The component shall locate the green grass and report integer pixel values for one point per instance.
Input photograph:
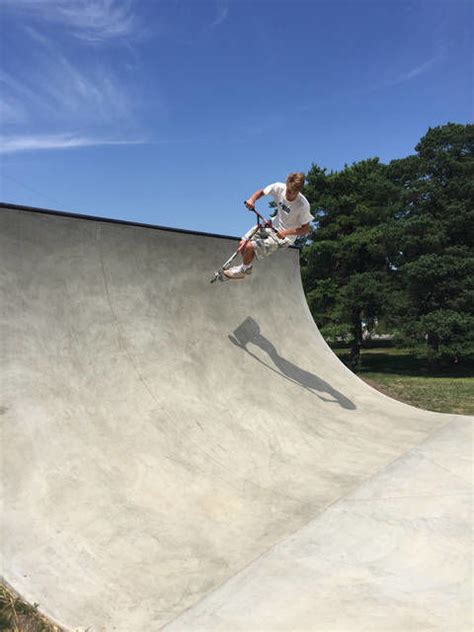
(402, 375)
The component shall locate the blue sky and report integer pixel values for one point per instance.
(172, 112)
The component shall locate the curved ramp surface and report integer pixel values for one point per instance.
(185, 455)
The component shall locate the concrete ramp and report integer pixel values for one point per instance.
(189, 456)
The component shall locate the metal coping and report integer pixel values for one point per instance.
(45, 211)
(109, 220)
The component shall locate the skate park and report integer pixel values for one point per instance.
(185, 456)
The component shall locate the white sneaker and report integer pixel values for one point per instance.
(237, 273)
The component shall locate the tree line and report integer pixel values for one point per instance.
(391, 247)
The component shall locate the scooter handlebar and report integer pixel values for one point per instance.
(260, 218)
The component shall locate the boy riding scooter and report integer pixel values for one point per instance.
(291, 221)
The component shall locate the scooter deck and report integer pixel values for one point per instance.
(219, 276)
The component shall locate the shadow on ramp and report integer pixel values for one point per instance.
(248, 332)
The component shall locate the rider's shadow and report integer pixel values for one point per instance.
(248, 332)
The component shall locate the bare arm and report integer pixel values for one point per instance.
(254, 197)
(302, 230)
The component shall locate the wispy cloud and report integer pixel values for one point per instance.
(96, 94)
(12, 112)
(222, 9)
(30, 142)
(378, 85)
(398, 79)
(57, 92)
(86, 95)
(416, 71)
(13, 144)
(93, 20)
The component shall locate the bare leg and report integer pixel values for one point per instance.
(241, 271)
(248, 254)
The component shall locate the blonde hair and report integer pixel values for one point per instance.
(295, 180)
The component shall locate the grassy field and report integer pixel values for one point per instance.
(401, 375)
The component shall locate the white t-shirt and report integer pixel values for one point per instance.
(289, 214)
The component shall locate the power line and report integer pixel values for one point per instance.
(25, 186)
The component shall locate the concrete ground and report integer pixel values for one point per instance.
(185, 456)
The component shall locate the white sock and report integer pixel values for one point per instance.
(245, 266)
